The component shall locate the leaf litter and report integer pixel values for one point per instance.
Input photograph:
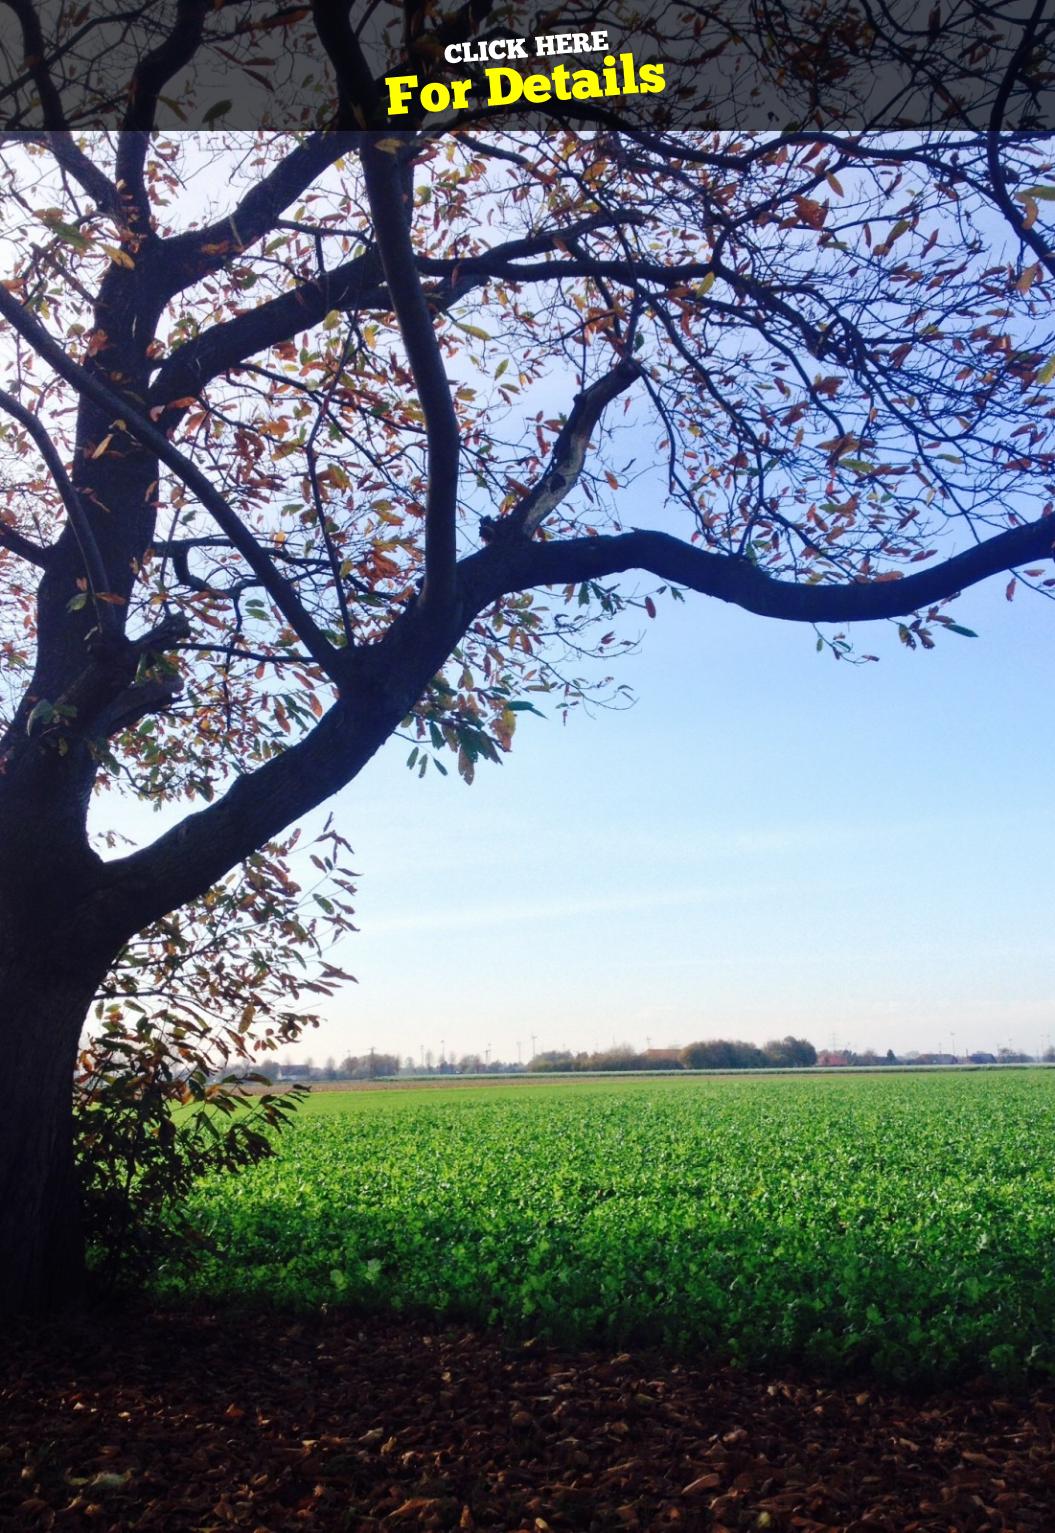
(190, 1420)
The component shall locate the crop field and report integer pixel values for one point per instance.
(899, 1225)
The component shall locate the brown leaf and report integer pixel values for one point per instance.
(705, 1482)
(810, 212)
(412, 1508)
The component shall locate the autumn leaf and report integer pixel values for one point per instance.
(68, 233)
(812, 214)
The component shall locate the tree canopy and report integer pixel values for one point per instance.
(355, 416)
(311, 439)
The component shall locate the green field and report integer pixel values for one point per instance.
(902, 1225)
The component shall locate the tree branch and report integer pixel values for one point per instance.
(569, 452)
(357, 99)
(387, 194)
(231, 342)
(139, 426)
(1015, 215)
(94, 569)
(149, 79)
(184, 862)
(34, 51)
(136, 702)
(25, 548)
(358, 283)
(73, 160)
(193, 255)
(497, 263)
(516, 565)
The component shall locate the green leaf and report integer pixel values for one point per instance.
(69, 233)
(965, 633)
(473, 330)
(216, 110)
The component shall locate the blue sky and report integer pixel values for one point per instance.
(768, 841)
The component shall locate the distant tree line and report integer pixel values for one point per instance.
(708, 1054)
(363, 1067)
(786, 1053)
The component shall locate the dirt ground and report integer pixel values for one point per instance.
(173, 1422)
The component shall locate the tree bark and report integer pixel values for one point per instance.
(46, 987)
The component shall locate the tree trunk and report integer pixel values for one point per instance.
(45, 993)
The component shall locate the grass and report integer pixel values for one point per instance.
(898, 1225)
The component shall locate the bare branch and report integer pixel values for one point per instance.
(34, 51)
(151, 76)
(387, 193)
(569, 451)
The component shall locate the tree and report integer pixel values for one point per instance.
(343, 458)
(723, 1054)
(790, 1052)
(552, 1059)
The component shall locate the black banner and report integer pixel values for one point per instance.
(733, 64)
